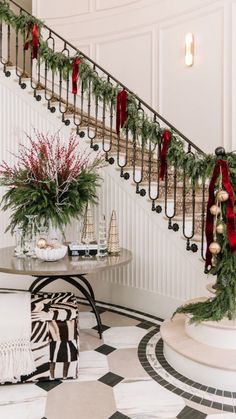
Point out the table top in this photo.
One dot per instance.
(69, 265)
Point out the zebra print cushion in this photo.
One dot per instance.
(55, 337)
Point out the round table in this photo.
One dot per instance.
(71, 269)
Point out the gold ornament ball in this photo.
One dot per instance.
(222, 196)
(220, 228)
(42, 243)
(214, 210)
(214, 248)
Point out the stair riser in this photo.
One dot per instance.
(200, 373)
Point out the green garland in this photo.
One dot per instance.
(197, 166)
(138, 123)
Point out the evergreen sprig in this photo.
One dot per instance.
(50, 180)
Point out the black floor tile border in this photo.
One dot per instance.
(163, 382)
(131, 310)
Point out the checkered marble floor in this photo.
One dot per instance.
(123, 375)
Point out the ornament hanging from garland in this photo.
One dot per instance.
(121, 110)
(222, 196)
(220, 228)
(215, 210)
(214, 222)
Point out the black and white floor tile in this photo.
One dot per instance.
(122, 376)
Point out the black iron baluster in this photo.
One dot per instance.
(33, 83)
(122, 165)
(49, 94)
(143, 157)
(135, 153)
(63, 103)
(8, 62)
(107, 146)
(91, 135)
(111, 159)
(1, 43)
(188, 238)
(24, 74)
(104, 127)
(203, 216)
(79, 113)
(171, 187)
(82, 103)
(18, 73)
(152, 147)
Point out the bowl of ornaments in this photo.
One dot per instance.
(50, 250)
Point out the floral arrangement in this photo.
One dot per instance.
(50, 179)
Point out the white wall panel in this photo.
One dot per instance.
(190, 96)
(110, 4)
(113, 55)
(63, 9)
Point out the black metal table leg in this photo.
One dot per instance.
(86, 282)
(36, 282)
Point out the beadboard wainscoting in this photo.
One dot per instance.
(162, 274)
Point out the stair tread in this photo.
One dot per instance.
(174, 335)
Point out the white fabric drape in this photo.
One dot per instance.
(15, 331)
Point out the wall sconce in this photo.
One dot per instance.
(189, 49)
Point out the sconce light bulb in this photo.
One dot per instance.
(189, 49)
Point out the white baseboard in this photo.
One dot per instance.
(138, 299)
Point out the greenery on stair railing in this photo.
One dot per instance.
(138, 123)
(197, 166)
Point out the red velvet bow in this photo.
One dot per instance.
(75, 75)
(230, 216)
(121, 106)
(32, 27)
(166, 139)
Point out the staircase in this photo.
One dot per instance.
(91, 115)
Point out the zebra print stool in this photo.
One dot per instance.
(55, 336)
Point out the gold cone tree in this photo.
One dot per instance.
(88, 235)
(113, 236)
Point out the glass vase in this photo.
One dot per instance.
(30, 236)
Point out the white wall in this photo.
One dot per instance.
(161, 275)
(142, 43)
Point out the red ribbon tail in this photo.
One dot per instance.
(75, 75)
(230, 215)
(167, 137)
(121, 110)
(34, 41)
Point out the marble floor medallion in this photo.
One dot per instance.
(124, 375)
